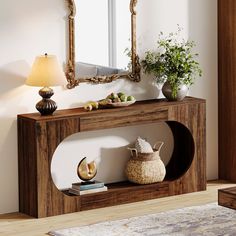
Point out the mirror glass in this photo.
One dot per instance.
(102, 37)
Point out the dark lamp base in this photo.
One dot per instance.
(46, 106)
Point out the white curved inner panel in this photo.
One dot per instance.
(109, 148)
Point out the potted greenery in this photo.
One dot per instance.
(173, 64)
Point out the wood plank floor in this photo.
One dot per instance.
(21, 225)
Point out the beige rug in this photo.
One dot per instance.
(205, 220)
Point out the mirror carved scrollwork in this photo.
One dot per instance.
(74, 80)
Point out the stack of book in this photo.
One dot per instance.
(87, 188)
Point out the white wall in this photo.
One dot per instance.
(29, 28)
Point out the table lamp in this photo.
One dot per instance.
(46, 72)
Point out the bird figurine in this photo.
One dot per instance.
(86, 171)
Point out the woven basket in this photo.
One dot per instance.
(146, 168)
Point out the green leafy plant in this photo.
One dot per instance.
(173, 61)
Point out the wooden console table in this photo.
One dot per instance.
(39, 136)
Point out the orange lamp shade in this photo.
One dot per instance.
(46, 72)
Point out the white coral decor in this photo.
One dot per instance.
(142, 146)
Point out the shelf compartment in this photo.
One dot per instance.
(121, 193)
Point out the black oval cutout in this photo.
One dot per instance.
(183, 152)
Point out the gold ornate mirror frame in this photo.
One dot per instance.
(70, 68)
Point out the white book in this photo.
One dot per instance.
(96, 190)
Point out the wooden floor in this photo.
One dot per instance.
(21, 225)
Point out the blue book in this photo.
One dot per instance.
(87, 185)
